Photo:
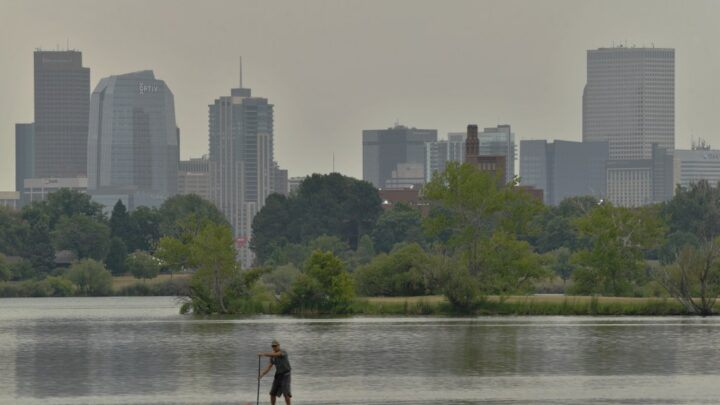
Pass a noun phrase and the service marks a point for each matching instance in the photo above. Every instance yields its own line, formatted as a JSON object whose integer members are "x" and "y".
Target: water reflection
{"x": 140, "y": 351}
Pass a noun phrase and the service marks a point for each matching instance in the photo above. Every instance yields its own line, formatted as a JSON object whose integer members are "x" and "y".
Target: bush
{"x": 90, "y": 278}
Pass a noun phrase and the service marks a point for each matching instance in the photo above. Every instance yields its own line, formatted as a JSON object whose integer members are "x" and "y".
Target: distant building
{"x": 408, "y": 196}
{"x": 629, "y": 100}
{"x": 242, "y": 157}
{"x": 499, "y": 141}
{"x": 495, "y": 165}
{"x": 691, "y": 166}
{"x": 280, "y": 183}
{"x": 37, "y": 189}
{"x": 24, "y": 154}
{"x": 634, "y": 183}
{"x": 194, "y": 177}
{"x": 564, "y": 169}
{"x": 10, "y": 199}
{"x": 436, "y": 158}
{"x": 62, "y": 98}
{"x": 385, "y": 149}
{"x": 407, "y": 175}
{"x": 132, "y": 146}
{"x": 294, "y": 183}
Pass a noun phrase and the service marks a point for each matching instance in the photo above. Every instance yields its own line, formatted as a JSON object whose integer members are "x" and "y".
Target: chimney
{"x": 472, "y": 144}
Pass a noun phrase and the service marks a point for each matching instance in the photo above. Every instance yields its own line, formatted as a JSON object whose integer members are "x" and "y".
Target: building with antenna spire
{"x": 243, "y": 173}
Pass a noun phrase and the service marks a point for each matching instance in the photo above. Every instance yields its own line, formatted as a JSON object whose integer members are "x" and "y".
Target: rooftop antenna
{"x": 240, "y": 66}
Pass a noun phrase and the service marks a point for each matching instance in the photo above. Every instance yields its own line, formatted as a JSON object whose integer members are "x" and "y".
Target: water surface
{"x": 137, "y": 350}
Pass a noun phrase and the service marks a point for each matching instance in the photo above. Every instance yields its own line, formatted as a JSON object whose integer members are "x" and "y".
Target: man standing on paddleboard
{"x": 281, "y": 382}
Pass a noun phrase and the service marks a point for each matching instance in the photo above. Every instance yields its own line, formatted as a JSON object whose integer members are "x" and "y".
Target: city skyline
{"x": 531, "y": 77}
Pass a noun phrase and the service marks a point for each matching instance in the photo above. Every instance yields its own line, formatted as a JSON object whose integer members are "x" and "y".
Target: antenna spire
{"x": 240, "y": 73}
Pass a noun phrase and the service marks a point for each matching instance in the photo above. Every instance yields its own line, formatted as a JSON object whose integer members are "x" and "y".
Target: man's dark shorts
{"x": 281, "y": 385}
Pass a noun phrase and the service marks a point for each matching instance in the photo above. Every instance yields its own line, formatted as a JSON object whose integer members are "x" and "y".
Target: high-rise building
{"x": 564, "y": 169}
{"x": 24, "y": 154}
{"x": 499, "y": 141}
{"x": 385, "y": 149}
{"x": 634, "y": 183}
{"x": 132, "y": 146}
{"x": 496, "y": 165}
{"x": 436, "y": 158}
{"x": 280, "y": 184}
{"x": 194, "y": 177}
{"x": 62, "y": 99}
{"x": 241, "y": 154}
{"x": 629, "y": 102}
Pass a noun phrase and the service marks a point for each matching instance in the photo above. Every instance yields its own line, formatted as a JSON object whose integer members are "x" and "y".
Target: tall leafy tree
{"x": 145, "y": 223}
{"x": 142, "y": 265}
{"x": 399, "y": 224}
{"x": 115, "y": 259}
{"x": 13, "y": 232}
{"x": 120, "y": 224}
{"x": 324, "y": 286}
{"x": 83, "y": 235}
{"x": 332, "y": 204}
{"x": 175, "y": 209}
{"x": 614, "y": 262}
{"x": 38, "y": 247}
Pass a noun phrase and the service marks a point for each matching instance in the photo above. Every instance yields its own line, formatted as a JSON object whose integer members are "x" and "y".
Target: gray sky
{"x": 334, "y": 68}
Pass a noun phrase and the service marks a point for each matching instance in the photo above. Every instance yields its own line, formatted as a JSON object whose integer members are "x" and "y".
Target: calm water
{"x": 140, "y": 351}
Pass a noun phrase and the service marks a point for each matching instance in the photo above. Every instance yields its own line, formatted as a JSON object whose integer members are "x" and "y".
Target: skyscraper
{"x": 133, "y": 141}
{"x": 629, "y": 100}
{"x": 241, "y": 157}
{"x": 62, "y": 99}
{"x": 385, "y": 149}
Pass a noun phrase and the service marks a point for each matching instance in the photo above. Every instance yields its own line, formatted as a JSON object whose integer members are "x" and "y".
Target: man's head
{"x": 275, "y": 345}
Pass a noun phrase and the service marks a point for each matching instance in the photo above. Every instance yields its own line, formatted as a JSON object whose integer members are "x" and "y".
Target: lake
{"x": 139, "y": 350}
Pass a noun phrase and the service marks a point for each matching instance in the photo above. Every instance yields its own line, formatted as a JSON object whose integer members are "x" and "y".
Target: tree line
{"x": 331, "y": 241}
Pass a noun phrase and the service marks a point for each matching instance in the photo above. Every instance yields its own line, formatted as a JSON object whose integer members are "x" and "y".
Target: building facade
{"x": 691, "y": 166}
{"x": 132, "y": 146}
{"x": 62, "y": 99}
{"x": 634, "y": 183}
{"x": 10, "y": 199}
{"x": 242, "y": 157}
{"x": 385, "y": 149}
{"x": 499, "y": 141}
{"x": 629, "y": 102}
{"x": 37, "y": 189}
{"x": 24, "y": 154}
{"x": 194, "y": 177}
{"x": 564, "y": 169}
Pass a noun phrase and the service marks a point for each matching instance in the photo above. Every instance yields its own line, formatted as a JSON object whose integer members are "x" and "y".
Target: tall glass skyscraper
{"x": 133, "y": 140}
{"x": 62, "y": 98}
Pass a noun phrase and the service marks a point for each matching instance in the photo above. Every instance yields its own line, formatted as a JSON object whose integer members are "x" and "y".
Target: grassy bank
{"x": 523, "y": 305}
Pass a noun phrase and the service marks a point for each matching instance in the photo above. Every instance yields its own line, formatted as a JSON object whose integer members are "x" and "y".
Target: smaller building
{"x": 10, "y": 199}
{"x": 280, "y": 183}
{"x": 294, "y": 183}
{"x": 38, "y": 189}
{"x": 634, "y": 183}
{"x": 194, "y": 177}
{"x": 691, "y": 166}
{"x": 408, "y": 196}
{"x": 407, "y": 175}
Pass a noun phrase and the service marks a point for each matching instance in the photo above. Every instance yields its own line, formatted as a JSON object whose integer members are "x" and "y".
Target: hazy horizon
{"x": 334, "y": 68}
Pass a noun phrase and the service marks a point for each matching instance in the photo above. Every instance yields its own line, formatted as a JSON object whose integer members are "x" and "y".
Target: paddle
{"x": 258, "y": 390}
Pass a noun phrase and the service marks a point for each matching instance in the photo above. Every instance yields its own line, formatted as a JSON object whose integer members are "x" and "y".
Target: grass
{"x": 523, "y": 305}
{"x": 120, "y": 282}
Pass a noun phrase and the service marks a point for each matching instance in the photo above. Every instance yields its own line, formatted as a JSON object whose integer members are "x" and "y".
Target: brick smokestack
{"x": 472, "y": 144}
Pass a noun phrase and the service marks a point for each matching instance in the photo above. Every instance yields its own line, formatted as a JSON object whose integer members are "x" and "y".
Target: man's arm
{"x": 271, "y": 354}
{"x": 266, "y": 370}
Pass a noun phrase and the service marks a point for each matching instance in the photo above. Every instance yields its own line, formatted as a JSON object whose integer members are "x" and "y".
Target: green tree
{"x": 83, "y": 235}
{"x": 562, "y": 264}
{"x": 173, "y": 254}
{"x": 145, "y": 223}
{"x": 115, "y": 259}
{"x": 614, "y": 262}
{"x": 333, "y": 205}
{"x": 37, "y": 246}
{"x": 281, "y": 278}
{"x": 695, "y": 210}
{"x": 556, "y": 224}
{"x": 694, "y": 278}
{"x": 13, "y": 232}
{"x": 142, "y": 265}
{"x": 176, "y": 209}
{"x": 120, "y": 224}
{"x": 213, "y": 255}
{"x": 90, "y": 277}
{"x": 324, "y": 286}
{"x": 68, "y": 203}
{"x": 399, "y": 224}
{"x": 5, "y": 273}
{"x": 471, "y": 216}
{"x": 407, "y": 270}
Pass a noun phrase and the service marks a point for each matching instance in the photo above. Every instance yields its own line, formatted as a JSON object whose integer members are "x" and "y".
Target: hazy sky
{"x": 334, "y": 68}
